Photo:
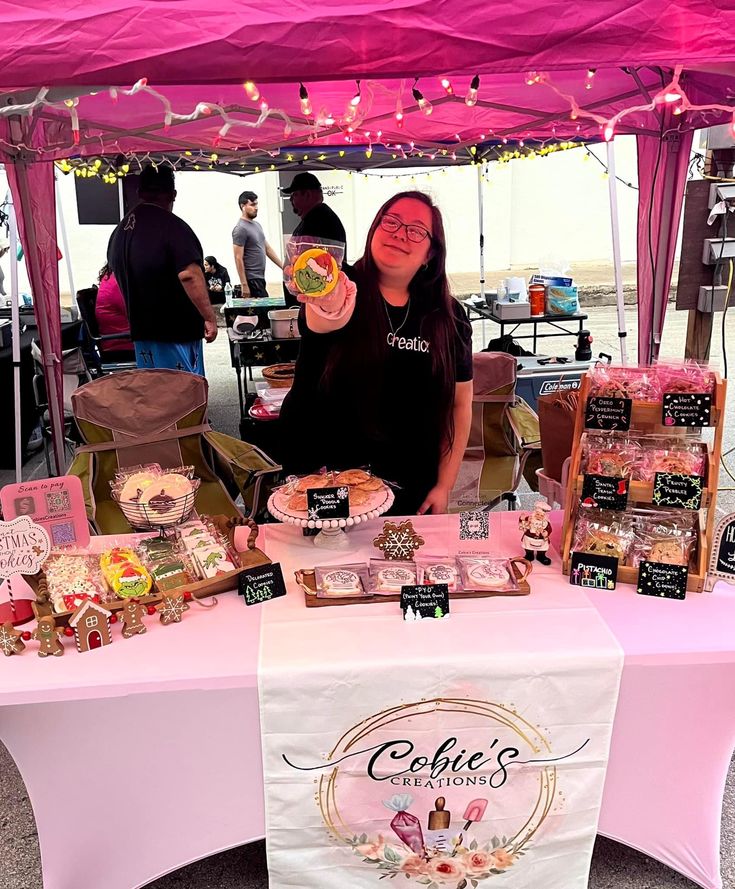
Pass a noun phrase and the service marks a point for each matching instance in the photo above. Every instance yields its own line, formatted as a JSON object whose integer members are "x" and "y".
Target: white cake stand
{"x": 332, "y": 531}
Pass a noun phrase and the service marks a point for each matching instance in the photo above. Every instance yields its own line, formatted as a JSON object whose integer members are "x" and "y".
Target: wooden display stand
{"x": 646, "y": 419}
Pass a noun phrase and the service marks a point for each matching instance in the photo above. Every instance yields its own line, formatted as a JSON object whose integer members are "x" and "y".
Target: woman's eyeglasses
{"x": 415, "y": 233}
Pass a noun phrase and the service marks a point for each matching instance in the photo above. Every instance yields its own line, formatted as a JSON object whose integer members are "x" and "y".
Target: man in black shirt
{"x": 317, "y": 219}
{"x": 158, "y": 263}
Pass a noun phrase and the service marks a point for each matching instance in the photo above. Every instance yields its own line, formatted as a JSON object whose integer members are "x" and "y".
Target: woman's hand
{"x": 437, "y": 501}
{"x": 327, "y": 313}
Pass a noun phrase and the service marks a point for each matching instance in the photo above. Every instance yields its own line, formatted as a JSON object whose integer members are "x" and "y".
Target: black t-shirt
{"x": 220, "y": 276}
{"x": 322, "y": 222}
{"x": 146, "y": 252}
{"x": 384, "y": 417}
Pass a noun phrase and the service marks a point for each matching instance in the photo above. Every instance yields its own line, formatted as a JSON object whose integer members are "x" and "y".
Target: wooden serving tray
{"x": 307, "y": 581}
{"x": 250, "y": 557}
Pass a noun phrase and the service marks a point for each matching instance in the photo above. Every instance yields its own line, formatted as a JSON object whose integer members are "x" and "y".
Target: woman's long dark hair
{"x": 366, "y": 347}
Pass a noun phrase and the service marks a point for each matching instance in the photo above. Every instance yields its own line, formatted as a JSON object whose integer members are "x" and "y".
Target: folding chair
{"x": 93, "y": 340}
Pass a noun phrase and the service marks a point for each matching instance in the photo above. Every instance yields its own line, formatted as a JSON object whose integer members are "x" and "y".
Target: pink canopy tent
{"x": 128, "y": 78}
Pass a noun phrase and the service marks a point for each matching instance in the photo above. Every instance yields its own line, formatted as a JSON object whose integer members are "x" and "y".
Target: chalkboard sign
{"x": 608, "y": 413}
{"x": 604, "y": 491}
{"x": 593, "y": 571}
{"x": 429, "y": 600}
{"x": 687, "y": 409}
{"x": 261, "y": 584}
{"x": 328, "y": 503}
{"x": 722, "y": 559}
{"x": 673, "y": 489}
{"x": 662, "y": 580}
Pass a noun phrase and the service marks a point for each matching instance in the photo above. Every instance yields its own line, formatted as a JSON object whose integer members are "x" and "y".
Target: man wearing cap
{"x": 158, "y": 263}
{"x": 251, "y": 248}
{"x": 317, "y": 219}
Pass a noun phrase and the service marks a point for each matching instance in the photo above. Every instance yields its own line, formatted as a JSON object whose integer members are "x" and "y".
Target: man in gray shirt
{"x": 251, "y": 248}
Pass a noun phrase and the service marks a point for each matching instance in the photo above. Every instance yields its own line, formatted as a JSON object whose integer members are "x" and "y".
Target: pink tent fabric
{"x": 197, "y": 56}
{"x": 105, "y": 42}
{"x": 32, "y": 186}
{"x": 662, "y": 173}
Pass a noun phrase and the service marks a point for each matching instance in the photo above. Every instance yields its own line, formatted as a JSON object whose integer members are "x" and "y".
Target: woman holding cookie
{"x": 384, "y": 376}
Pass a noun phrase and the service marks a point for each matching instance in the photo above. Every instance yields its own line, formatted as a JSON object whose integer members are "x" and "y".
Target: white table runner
{"x": 500, "y": 716}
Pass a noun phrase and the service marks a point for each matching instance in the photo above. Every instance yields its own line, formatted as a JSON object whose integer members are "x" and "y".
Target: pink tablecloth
{"x": 156, "y": 739}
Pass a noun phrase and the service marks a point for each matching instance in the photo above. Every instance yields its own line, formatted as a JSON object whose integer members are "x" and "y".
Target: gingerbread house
{"x": 91, "y": 625}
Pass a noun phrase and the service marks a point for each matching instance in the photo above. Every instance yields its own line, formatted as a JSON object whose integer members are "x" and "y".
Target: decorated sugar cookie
{"x": 315, "y": 272}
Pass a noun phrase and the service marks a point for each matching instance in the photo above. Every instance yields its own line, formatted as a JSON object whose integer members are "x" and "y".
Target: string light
{"x": 589, "y": 78}
{"x": 470, "y": 99}
{"x": 252, "y": 91}
{"x": 447, "y": 86}
{"x": 423, "y": 103}
{"x": 357, "y": 98}
{"x": 306, "y": 109}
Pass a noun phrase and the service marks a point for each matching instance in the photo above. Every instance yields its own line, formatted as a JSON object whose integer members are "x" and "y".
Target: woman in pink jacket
{"x": 112, "y": 317}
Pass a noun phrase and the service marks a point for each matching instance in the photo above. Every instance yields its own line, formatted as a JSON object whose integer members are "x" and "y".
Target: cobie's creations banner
{"x": 461, "y": 753}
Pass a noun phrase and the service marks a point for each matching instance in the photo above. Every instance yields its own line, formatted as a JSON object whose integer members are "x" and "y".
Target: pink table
{"x": 156, "y": 740}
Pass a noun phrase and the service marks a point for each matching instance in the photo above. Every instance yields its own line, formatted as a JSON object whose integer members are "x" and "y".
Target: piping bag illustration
{"x": 404, "y": 825}
{"x": 474, "y": 812}
{"x": 437, "y": 836}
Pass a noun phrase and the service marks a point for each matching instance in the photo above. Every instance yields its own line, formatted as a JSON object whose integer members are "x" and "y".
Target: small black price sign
{"x": 429, "y": 600}
{"x": 608, "y": 413}
{"x": 662, "y": 580}
{"x": 687, "y": 409}
{"x": 593, "y": 571}
{"x": 261, "y": 584}
{"x": 673, "y": 489}
{"x": 605, "y": 492}
{"x": 328, "y": 503}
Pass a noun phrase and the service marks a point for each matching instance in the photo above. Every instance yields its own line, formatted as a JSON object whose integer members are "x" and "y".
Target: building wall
{"x": 555, "y": 206}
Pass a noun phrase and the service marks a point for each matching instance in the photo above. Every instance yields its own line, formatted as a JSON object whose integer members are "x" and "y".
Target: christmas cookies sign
{"x": 24, "y": 547}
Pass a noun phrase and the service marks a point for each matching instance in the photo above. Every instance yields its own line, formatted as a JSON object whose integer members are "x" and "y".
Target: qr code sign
{"x": 62, "y": 534}
{"x": 474, "y": 525}
{"x": 58, "y": 502}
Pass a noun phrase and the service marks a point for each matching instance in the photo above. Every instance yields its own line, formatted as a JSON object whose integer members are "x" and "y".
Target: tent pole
{"x": 612, "y": 185}
{"x": 481, "y": 212}
{"x": 480, "y": 207}
{"x": 15, "y": 332}
{"x": 64, "y": 240}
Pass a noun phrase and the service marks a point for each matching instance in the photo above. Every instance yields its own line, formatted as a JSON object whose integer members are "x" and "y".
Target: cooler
{"x": 534, "y": 379}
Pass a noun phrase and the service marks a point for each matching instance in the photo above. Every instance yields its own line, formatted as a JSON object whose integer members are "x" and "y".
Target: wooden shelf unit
{"x": 646, "y": 420}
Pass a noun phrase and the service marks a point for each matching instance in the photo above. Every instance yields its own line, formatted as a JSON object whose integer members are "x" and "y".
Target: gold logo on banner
{"x": 463, "y": 829}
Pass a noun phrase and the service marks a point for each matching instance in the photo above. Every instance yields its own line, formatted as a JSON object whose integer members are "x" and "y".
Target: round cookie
{"x": 442, "y": 573}
{"x": 670, "y": 551}
{"x": 604, "y": 544}
{"x": 490, "y": 575}
{"x": 392, "y": 579}
{"x": 315, "y": 272}
{"x": 372, "y": 485}
{"x": 298, "y": 503}
{"x": 341, "y": 582}
{"x": 312, "y": 481}
{"x": 352, "y": 477}
{"x": 359, "y": 497}
{"x": 135, "y": 484}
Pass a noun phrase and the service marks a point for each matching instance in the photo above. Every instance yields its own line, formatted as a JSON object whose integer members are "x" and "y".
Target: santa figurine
{"x": 536, "y": 529}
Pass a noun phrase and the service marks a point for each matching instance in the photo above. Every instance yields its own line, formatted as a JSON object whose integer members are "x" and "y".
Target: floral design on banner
{"x": 453, "y": 791}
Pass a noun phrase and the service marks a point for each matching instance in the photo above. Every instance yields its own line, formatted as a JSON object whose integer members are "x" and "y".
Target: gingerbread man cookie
{"x": 48, "y": 638}
{"x": 132, "y": 618}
